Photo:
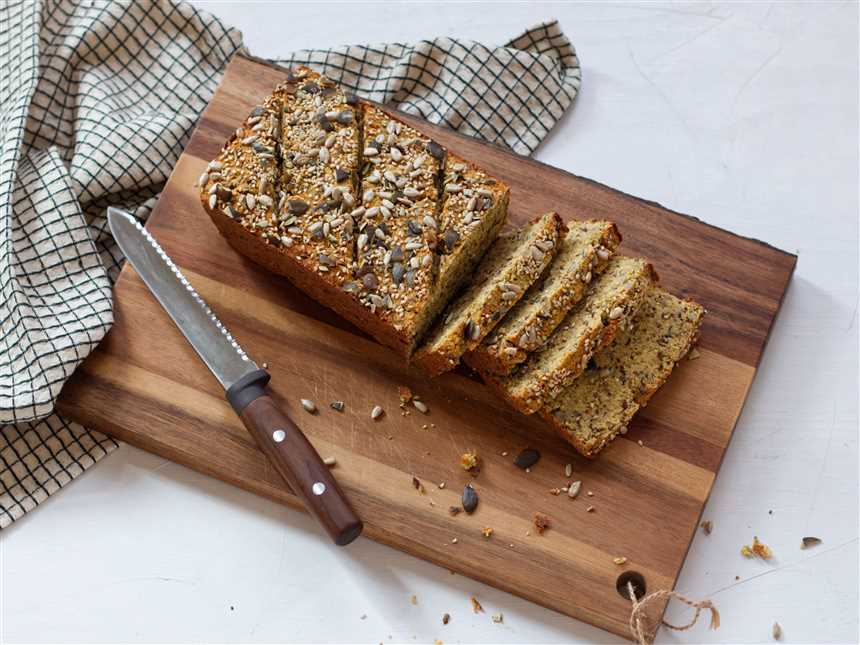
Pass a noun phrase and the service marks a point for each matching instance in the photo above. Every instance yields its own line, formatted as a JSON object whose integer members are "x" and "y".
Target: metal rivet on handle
{"x": 279, "y": 436}
{"x": 318, "y": 488}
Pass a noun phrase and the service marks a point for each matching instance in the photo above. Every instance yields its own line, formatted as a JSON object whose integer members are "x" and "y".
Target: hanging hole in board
{"x": 633, "y": 577}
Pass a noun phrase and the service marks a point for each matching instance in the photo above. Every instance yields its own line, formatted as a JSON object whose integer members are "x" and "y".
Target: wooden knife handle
{"x": 294, "y": 457}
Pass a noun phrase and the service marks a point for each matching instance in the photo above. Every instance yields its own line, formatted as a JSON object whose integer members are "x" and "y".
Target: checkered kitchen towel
{"x": 97, "y": 100}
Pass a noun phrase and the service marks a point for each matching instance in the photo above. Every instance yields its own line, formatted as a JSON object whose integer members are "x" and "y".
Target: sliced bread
{"x": 511, "y": 265}
{"x": 583, "y": 255}
{"x": 597, "y": 407}
{"x": 610, "y": 301}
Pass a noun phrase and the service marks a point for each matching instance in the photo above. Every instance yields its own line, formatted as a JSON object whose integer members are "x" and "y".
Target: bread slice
{"x": 610, "y": 301}
{"x": 292, "y": 200}
{"x": 319, "y": 158}
{"x": 512, "y": 264}
{"x": 597, "y": 407}
{"x": 474, "y": 209}
{"x": 397, "y": 239}
{"x": 583, "y": 255}
{"x": 241, "y": 182}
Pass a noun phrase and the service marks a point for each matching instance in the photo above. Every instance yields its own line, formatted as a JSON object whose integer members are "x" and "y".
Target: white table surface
{"x": 745, "y": 116}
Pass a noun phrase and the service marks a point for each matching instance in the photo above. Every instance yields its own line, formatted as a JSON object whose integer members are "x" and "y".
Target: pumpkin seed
{"x": 527, "y": 458}
{"x": 470, "y": 499}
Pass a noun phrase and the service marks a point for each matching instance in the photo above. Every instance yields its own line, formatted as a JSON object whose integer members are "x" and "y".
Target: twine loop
{"x": 637, "y": 627}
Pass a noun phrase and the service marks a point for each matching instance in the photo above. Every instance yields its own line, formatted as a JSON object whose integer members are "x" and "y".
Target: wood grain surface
{"x": 145, "y": 385}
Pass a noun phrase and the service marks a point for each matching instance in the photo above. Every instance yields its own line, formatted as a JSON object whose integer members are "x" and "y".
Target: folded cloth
{"x": 97, "y": 101}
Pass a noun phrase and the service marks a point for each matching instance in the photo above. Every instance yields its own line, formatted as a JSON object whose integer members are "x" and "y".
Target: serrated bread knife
{"x": 244, "y": 383}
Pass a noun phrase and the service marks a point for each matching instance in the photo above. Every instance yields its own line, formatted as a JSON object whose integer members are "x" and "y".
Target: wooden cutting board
{"x": 145, "y": 385}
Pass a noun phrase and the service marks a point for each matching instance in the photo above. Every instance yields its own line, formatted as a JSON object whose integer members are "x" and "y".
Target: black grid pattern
{"x": 510, "y": 95}
{"x": 97, "y": 101}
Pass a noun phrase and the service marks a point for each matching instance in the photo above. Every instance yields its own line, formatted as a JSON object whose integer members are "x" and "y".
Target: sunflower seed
{"x": 809, "y": 542}
{"x": 204, "y": 179}
{"x": 470, "y": 499}
{"x": 420, "y": 406}
{"x": 453, "y": 188}
{"x": 370, "y": 152}
{"x": 430, "y": 221}
{"x": 573, "y": 489}
{"x": 213, "y": 201}
{"x": 418, "y": 161}
{"x": 324, "y": 155}
{"x": 377, "y": 411}
{"x": 396, "y": 155}
{"x": 250, "y": 201}
{"x": 527, "y": 458}
{"x": 568, "y": 470}
{"x": 215, "y": 165}
{"x": 309, "y": 405}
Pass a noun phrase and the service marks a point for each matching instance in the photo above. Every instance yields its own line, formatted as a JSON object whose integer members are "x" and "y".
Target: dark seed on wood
{"x": 337, "y": 405}
{"x": 470, "y": 499}
{"x": 527, "y": 458}
{"x": 454, "y": 510}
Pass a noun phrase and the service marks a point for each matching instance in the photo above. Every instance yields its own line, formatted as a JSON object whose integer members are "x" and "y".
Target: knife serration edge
{"x": 225, "y": 368}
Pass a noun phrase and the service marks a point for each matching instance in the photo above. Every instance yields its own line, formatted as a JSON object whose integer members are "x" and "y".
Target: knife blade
{"x": 243, "y": 381}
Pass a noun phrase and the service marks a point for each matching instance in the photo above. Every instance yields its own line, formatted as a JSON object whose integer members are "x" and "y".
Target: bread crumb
{"x": 707, "y": 526}
{"x": 414, "y": 599}
{"x": 476, "y": 606}
{"x": 776, "y": 631}
{"x": 446, "y": 618}
{"x": 758, "y": 549}
{"x": 469, "y": 460}
{"x": 497, "y": 618}
{"x": 486, "y": 531}
{"x": 405, "y": 395}
{"x": 620, "y": 560}
{"x": 541, "y": 522}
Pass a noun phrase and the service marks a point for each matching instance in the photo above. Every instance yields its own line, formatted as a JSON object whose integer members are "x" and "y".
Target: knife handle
{"x": 293, "y": 456}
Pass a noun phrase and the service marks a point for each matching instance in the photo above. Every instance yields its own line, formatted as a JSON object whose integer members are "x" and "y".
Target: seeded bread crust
{"x": 583, "y": 255}
{"x": 609, "y": 304}
{"x": 286, "y": 191}
{"x": 598, "y": 406}
{"x": 511, "y": 265}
